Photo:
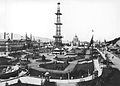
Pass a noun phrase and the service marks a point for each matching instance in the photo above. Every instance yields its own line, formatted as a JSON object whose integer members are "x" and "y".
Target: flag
{"x": 91, "y": 42}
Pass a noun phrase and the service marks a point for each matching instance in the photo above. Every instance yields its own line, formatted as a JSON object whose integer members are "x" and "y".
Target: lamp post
{"x": 68, "y": 75}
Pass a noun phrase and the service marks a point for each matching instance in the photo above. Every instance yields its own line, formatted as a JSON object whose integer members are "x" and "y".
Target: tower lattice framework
{"x": 58, "y": 37}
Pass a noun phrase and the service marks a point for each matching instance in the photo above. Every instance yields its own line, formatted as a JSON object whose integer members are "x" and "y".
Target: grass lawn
{"x": 82, "y": 70}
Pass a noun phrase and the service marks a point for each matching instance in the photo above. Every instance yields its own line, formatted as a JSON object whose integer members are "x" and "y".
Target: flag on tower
{"x": 91, "y": 42}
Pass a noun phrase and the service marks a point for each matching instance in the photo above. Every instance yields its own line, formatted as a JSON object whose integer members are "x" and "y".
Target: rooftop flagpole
{"x": 92, "y": 50}
{"x": 92, "y": 38}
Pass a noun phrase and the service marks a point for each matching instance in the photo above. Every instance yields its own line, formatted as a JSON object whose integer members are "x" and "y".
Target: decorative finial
{"x": 58, "y": 3}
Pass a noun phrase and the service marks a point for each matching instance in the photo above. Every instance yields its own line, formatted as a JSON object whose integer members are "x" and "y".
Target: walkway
{"x": 70, "y": 67}
{"x": 115, "y": 60}
{"x": 102, "y": 54}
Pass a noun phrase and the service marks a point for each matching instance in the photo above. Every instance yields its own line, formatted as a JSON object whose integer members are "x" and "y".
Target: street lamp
{"x": 68, "y": 75}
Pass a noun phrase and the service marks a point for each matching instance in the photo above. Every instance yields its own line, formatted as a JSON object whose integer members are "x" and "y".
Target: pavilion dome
{"x": 75, "y": 39}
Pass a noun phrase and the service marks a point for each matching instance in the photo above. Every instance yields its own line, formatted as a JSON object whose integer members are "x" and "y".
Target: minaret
{"x": 58, "y": 37}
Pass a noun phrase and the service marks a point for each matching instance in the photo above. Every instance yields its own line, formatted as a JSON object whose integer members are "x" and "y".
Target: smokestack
{"x": 11, "y": 36}
{"x": 4, "y": 35}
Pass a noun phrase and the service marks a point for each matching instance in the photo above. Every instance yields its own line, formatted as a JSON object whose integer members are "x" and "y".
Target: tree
{"x": 43, "y": 58}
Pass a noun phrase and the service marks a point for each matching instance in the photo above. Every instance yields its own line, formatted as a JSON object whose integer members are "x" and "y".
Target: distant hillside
{"x": 18, "y": 36}
{"x": 43, "y": 39}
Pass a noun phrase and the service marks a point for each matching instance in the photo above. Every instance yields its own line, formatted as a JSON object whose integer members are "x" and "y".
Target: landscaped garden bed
{"x": 1, "y": 68}
{"x": 79, "y": 71}
{"x": 54, "y": 66}
{"x": 33, "y": 56}
{"x": 43, "y": 59}
{"x": 17, "y": 54}
{"x": 36, "y": 73}
{"x": 4, "y": 61}
{"x": 69, "y": 58}
{"x": 40, "y": 60}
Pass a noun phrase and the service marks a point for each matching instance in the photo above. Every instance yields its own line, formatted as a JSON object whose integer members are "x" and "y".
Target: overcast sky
{"x": 79, "y": 17}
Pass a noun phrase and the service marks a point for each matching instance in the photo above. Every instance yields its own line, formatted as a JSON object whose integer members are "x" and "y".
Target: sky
{"x": 79, "y": 18}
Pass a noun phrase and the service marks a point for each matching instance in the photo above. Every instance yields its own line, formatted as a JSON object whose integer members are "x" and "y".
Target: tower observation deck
{"x": 58, "y": 37}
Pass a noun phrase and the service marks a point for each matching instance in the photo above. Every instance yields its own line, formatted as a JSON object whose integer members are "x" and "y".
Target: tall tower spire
{"x": 58, "y": 37}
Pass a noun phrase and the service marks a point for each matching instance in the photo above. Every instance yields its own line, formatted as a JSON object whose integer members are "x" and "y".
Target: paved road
{"x": 114, "y": 59}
